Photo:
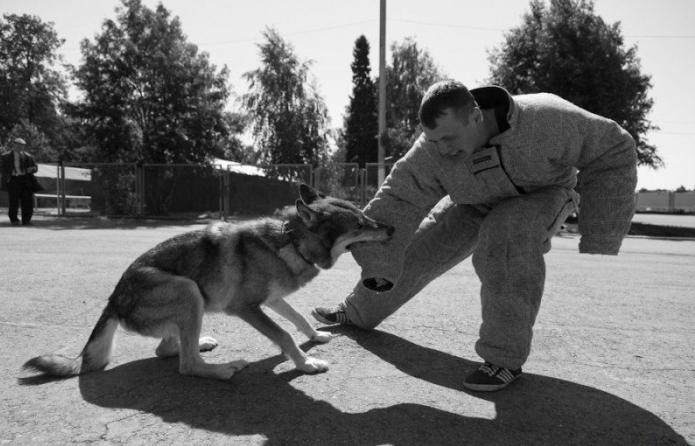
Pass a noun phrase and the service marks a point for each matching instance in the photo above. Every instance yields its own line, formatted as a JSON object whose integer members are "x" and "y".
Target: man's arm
{"x": 31, "y": 165}
{"x": 407, "y": 195}
{"x": 606, "y": 157}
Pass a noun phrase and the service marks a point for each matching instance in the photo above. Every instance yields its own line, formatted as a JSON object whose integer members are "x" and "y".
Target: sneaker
{"x": 489, "y": 378}
{"x": 335, "y": 315}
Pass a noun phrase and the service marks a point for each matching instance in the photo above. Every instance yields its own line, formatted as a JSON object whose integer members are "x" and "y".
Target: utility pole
{"x": 382, "y": 90}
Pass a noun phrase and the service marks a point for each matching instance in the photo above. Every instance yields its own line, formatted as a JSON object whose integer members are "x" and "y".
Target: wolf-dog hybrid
{"x": 225, "y": 268}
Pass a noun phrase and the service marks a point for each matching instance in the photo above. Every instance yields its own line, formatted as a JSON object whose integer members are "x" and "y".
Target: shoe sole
{"x": 321, "y": 319}
{"x": 487, "y": 387}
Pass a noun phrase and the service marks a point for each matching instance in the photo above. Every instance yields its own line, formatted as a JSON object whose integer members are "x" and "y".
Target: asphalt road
{"x": 612, "y": 361}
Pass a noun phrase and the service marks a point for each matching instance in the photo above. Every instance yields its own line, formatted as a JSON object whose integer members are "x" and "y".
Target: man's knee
{"x": 509, "y": 231}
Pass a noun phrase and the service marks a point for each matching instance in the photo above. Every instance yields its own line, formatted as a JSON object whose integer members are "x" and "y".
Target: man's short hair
{"x": 443, "y": 95}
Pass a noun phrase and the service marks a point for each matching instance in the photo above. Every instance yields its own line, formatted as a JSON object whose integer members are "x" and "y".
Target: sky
{"x": 457, "y": 33}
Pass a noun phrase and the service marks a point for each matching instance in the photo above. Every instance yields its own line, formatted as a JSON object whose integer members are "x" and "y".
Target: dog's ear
{"x": 308, "y": 215}
{"x": 309, "y": 194}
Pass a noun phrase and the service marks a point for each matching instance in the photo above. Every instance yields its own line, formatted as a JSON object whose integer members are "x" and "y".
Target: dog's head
{"x": 333, "y": 225}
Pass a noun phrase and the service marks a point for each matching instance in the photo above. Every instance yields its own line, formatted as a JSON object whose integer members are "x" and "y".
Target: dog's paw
{"x": 313, "y": 365}
{"x": 216, "y": 371}
{"x": 206, "y": 343}
{"x": 237, "y": 365}
{"x": 321, "y": 337}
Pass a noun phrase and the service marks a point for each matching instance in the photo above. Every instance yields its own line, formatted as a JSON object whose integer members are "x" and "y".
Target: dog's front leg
{"x": 284, "y": 309}
{"x": 261, "y": 322}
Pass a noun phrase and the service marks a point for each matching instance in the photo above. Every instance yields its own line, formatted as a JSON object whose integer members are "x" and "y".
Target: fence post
{"x": 225, "y": 182}
{"x": 61, "y": 210}
{"x": 139, "y": 189}
{"x": 60, "y": 162}
{"x": 362, "y": 181}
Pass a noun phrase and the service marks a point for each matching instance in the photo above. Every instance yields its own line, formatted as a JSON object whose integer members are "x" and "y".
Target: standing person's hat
{"x": 19, "y": 141}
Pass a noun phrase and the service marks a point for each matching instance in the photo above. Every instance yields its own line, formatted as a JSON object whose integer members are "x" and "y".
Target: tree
{"x": 568, "y": 50}
{"x": 289, "y": 116}
{"x": 149, "y": 95}
{"x": 361, "y": 125}
{"x": 411, "y": 73}
{"x": 234, "y": 148}
{"x": 31, "y": 87}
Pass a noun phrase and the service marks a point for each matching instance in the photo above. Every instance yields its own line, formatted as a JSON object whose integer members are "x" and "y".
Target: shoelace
{"x": 504, "y": 375}
{"x": 341, "y": 317}
{"x": 489, "y": 369}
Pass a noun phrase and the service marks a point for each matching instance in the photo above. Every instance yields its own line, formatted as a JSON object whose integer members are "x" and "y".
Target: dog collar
{"x": 293, "y": 243}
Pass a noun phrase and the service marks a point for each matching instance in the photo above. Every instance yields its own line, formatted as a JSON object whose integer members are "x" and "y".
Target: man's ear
{"x": 476, "y": 115}
{"x": 308, "y": 215}
{"x": 309, "y": 194}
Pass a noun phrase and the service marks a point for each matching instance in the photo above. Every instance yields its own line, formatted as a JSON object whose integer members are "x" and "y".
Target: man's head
{"x": 451, "y": 118}
{"x": 17, "y": 144}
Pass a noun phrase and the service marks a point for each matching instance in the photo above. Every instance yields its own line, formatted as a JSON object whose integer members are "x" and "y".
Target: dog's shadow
{"x": 259, "y": 402}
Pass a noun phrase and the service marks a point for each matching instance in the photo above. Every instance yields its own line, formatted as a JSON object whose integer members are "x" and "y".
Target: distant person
{"x": 501, "y": 171}
{"x": 18, "y": 169}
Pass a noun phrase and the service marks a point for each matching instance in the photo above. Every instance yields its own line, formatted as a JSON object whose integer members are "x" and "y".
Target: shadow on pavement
{"x": 257, "y": 401}
{"x": 534, "y": 410}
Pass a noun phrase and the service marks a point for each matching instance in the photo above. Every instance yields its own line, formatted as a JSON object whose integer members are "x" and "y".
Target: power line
{"x": 662, "y": 36}
{"x": 252, "y": 40}
{"x": 480, "y": 28}
{"x": 447, "y": 25}
{"x": 307, "y": 31}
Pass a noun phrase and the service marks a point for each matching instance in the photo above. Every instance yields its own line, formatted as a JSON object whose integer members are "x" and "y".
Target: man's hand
{"x": 377, "y": 284}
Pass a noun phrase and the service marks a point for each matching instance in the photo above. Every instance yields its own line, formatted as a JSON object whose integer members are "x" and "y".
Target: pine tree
{"x": 361, "y": 125}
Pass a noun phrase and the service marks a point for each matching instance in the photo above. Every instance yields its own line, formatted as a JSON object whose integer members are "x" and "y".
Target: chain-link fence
{"x": 187, "y": 190}
{"x": 182, "y": 189}
{"x": 342, "y": 180}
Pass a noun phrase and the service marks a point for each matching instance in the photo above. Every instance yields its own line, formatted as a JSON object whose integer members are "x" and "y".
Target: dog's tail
{"x": 95, "y": 355}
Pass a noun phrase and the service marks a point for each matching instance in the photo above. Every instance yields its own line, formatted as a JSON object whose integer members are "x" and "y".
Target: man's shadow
{"x": 259, "y": 402}
{"x": 551, "y": 410}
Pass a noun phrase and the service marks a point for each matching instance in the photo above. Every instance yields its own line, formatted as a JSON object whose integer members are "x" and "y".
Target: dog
{"x": 235, "y": 269}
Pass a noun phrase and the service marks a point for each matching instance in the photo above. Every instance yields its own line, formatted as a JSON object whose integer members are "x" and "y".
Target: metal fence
{"x": 189, "y": 190}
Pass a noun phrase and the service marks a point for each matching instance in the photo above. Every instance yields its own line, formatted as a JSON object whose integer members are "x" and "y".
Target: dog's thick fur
{"x": 224, "y": 268}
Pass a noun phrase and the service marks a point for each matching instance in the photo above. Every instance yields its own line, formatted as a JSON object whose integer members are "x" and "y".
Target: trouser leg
{"x": 446, "y": 237}
{"x": 27, "y": 201}
{"x": 14, "y": 193}
{"x": 509, "y": 262}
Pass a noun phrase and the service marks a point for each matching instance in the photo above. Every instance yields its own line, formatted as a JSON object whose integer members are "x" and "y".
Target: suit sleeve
{"x": 31, "y": 165}
{"x": 606, "y": 157}
{"x": 409, "y": 192}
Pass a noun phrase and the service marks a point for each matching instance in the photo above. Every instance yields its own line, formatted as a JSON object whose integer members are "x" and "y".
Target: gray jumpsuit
{"x": 502, "y": 204}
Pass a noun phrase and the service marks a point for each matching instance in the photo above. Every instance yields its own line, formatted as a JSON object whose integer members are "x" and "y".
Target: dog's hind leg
{"x": 189, "y": 323}
{"x": 170, "y": 346}
{"x": 173, "y": 308}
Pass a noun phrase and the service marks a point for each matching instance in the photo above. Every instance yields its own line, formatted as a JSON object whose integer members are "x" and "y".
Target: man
{"x": 18, "y": 168}
{"x": 505, "y": 170}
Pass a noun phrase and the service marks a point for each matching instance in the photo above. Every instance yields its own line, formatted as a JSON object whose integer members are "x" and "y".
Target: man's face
{"x": 17, "y": 147}
{"x": 454, "y": 133}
